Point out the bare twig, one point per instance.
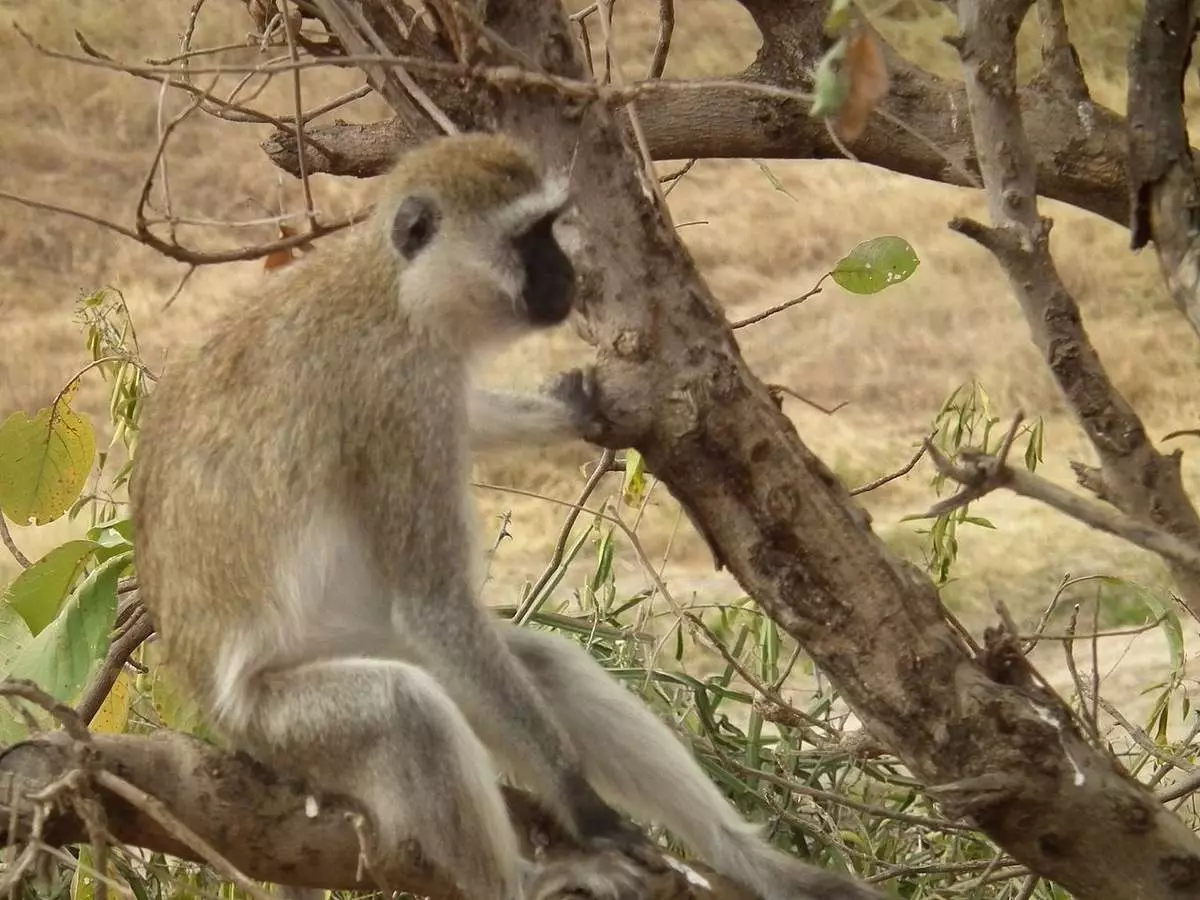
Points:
(787, 304)
(67, 717)
(529, 605)
(777, 389)
(177, 829)
(290, 26)
(899, 473)
(7, 538)
(134, 633)
(662, 47)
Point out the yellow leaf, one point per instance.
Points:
(114, 711)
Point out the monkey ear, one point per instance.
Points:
(414, 225)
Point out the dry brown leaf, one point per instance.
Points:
(864, 66)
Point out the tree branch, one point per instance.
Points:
(260, 822)
(1079, 145)
(1142, 482)
(1163, 186)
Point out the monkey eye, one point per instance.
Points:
(415, 224)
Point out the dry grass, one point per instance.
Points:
(83, 137)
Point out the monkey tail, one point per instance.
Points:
(636, 762)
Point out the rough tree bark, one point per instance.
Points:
(1163, 186)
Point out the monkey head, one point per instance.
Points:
(470, 223)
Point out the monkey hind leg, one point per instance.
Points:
(636, 761)
(384, 733)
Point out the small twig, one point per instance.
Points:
(1166, 768)
(1032, 640)
(784, 389)
(1092, 724)
(186, 277)
(602, 468)
(1180, 789)
(1097, 633)
(787, 304)
(158, 811)
(6, 537)
(186, 254)
(348, 21)
(899, 473)
(717, 644)
(1140, 737)
(290, 27)
(842, 800)
(136, 631)
(666, 27)
(63, 714)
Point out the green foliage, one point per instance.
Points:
(58, 614)
(966, 421)
(38, 592)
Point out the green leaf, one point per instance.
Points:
(112, 538)
(774, 179)
(14, 634)
(831, 83)
(979, 520)
(38, 592)
(876, 264)
(1170, 618)
(61, 658)
(44, 461)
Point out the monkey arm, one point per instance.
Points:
(500, 418)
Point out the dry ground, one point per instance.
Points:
(83, 137)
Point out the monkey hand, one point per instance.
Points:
(578, 391)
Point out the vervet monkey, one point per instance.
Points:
(300, 497)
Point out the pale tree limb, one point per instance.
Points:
(1141, 482)
(1163, 186)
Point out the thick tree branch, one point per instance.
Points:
(259, 822)
(1163, 185)
(1141, 481)
(1080, 146)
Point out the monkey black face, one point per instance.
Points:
(549, 276)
